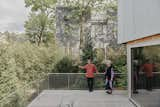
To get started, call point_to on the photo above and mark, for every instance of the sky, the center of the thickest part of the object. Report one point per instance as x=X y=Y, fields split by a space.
x=13 y=14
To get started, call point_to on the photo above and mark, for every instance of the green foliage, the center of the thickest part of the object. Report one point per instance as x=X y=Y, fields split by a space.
x=118 y=58
x=40 y=25
x=40 y=5
x=120 y=66
x=82 y=13
x=66 y=65
x=150 y=53
x=87 y=51
x=101 y=67
x=99 y=55
x=99 y=60
x=22 y=63
x=38 y=28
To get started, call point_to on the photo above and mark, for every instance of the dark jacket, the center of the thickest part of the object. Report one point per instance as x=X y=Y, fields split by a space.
x=109 y=73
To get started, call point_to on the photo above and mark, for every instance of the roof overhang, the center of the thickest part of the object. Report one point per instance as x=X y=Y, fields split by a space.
x=145 y=39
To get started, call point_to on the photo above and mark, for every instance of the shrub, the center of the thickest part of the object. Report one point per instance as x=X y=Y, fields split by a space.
x=118 y=58
x=22 y=63
x=66 y=65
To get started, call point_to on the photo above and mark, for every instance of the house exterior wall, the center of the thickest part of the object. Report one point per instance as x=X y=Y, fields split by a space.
x=138 y=19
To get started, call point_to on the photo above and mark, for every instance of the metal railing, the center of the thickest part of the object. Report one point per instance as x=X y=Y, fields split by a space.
x=141 y=82
x=24 y=95
x=77 y=81
x=57 y=81
x=68 y=81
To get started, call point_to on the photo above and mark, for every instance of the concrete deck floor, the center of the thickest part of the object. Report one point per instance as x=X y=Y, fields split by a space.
x=80 y=98
x=148 y=98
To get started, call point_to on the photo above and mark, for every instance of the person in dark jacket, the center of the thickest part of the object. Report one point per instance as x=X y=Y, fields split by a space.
x=109 y=76
x=136 y=69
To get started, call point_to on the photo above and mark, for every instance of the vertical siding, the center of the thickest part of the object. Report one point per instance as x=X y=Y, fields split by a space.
x=137 y=19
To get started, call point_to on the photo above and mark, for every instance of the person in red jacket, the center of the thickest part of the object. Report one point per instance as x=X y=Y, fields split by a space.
x=90 y=69
x=148 y=69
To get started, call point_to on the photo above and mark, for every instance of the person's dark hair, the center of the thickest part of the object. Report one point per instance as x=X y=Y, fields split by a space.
x=89 y=59
x=147 y=61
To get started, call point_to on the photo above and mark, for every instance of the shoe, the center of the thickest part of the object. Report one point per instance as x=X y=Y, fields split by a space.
x=90 y=90
x=109 y=92
x=135 y=92
x=149 y=89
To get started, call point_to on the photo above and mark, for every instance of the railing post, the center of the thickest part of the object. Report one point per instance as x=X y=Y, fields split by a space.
x=24 y=90
x=48 y=81
x=38 y=87
x=68 y=82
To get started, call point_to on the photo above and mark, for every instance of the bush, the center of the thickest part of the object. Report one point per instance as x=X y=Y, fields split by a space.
x=120 y=66
x=118 y=58
x=66 y=65
x=22 y=63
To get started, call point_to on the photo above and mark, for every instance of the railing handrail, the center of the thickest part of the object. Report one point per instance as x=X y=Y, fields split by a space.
x=83 y=73
x=102 y=73
x=153 y=72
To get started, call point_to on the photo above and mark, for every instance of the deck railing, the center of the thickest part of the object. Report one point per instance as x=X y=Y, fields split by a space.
x=67 y=81
x=141 y=82
x=22 y=96
x=77 y=81
x=57 y=81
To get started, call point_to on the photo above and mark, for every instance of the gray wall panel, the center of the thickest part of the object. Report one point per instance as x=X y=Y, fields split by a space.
x=137 y=19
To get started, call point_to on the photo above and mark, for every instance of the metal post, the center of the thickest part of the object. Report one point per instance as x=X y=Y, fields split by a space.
x=48 y=81
x=23 y=103
x=68 y=82
x=54 y=79
x=38 y=86
x=105 y=51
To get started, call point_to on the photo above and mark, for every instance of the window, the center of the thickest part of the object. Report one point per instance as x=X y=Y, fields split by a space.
x=145 y=79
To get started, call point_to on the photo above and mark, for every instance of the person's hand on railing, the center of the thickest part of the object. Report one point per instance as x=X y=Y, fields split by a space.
x=97 y=72
x=81 y=67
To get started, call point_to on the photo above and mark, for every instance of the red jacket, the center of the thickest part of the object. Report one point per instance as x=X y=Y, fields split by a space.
x=90 y=70
x=148 y=69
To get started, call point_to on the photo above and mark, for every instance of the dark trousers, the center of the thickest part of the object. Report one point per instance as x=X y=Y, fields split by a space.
x=135 y=83
x=109 y=85
x=90 y=82
x=149 y=83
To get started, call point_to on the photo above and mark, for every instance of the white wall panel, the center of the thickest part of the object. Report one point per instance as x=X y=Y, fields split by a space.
x=137 y=19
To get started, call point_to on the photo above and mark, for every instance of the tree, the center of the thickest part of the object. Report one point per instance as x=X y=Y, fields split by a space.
x=66 y=28
x=46 y=6
x=107 y=26
x=87 y=50
x=112 y=22
x=37 y=28
x=66 y=65
x=82 y=13
x=70 y=38
x=40 y=26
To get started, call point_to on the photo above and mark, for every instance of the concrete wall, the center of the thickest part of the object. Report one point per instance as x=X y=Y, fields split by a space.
x=138 y=19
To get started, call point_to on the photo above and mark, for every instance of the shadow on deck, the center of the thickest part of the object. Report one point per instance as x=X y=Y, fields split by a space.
x=81 y=98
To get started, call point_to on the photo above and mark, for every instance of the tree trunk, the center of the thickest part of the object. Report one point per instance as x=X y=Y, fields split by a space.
x=70 y=51
x=39 y=40
x=81 y=35
x=65 y=50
